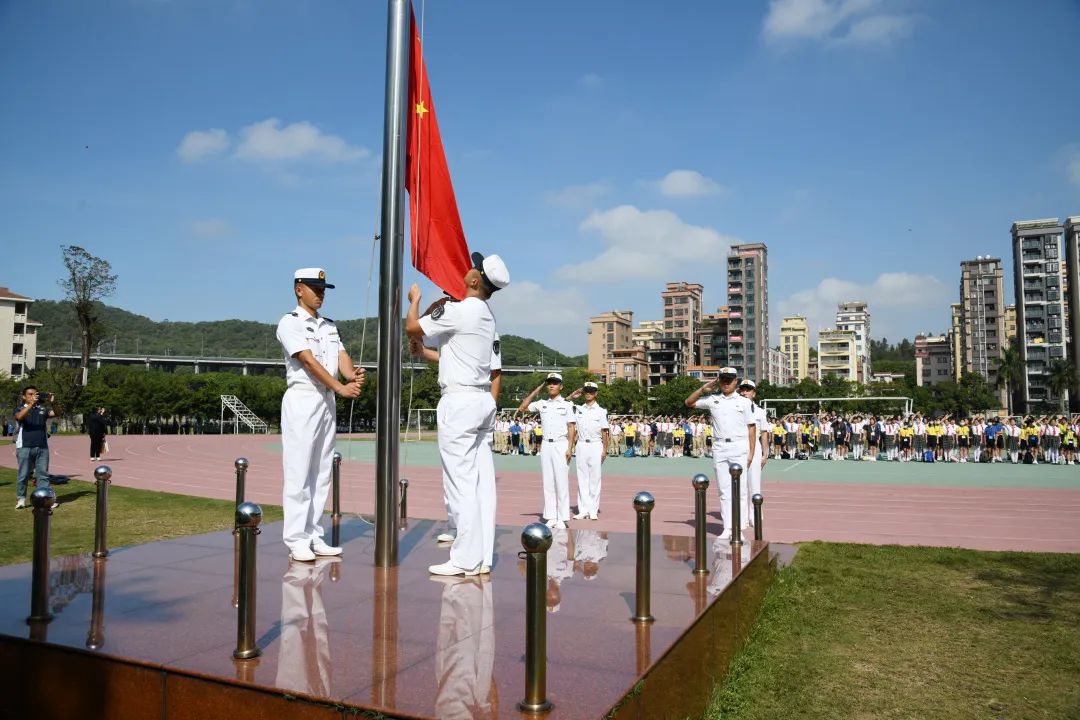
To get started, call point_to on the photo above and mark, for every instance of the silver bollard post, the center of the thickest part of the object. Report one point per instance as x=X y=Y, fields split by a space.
x=42 y=500
x=336 y=486
x=643 y=504
x=404 y=498
x=241 y=465
x=102 y=477
x=536 y=539
x=736 y=506
x=95 y=639
x=757 y=500
x=701 y=559
x=248 y=517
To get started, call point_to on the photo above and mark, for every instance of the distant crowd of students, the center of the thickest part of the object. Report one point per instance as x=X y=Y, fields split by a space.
x=831 y=436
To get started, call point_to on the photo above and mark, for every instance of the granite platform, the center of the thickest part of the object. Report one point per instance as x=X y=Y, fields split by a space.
x=148 y=633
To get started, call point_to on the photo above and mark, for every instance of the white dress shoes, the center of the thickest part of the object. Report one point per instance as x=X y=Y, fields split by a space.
x=445 y=538
x=302 y=555
x=449 y=569
x=323 y=550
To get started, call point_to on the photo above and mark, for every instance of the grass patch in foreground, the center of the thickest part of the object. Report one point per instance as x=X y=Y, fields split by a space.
x=860 y=631
x=135 y=516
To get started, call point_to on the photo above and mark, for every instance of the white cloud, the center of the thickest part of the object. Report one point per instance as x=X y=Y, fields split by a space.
x=200 y=144
x=838 y=22
x=267 y=140
x=211 y=228
x=901 y=304
x=560 y=324
x=1071 y=153
x=688 y=183
x=590 y=81
x=649 y=244
x=579 y=197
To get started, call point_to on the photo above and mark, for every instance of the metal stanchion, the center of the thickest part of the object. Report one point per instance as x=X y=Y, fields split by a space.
x=95 y=639
x=404 y=498
x=241 y=465
x=701 y=558
x=42 y=500
x=248 y=517
x=336 y=485
x=757 y=500
x=643 y=504
x=736 y=506
x=536 y=539
x=102 y=477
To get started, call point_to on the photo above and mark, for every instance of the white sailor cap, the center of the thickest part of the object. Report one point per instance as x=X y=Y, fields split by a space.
x=747 y=383
x=553 y=376
x=492 y=270
x=590 y=385
x=315 y=277
x=728 y=371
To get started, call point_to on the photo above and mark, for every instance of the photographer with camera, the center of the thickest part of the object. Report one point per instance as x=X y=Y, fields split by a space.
x=32 y=440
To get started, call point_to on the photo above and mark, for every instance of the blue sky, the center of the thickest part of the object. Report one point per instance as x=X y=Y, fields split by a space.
x=209 y=148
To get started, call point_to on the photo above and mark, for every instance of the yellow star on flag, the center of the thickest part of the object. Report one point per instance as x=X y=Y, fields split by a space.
x=420 y=109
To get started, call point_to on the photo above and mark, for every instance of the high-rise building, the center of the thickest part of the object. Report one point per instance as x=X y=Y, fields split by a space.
x=982 y=322
x=813 y=369
x=837 y=354
x=608 y=331
x=748 y=308
x=1010 y=325
x=779 y=371
x=647 y=331
x=855 y=317
x=1072 y=257
x=1039 y=269
x=682 y=314
x=628 y=363
x=667 y=358
x=18 y=335
x=955 y=334
x=795 y=343
x=933 y=359
x=713 y=338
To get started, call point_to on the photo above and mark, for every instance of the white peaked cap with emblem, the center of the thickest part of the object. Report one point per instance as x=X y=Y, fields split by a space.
x=315 y=277
x=554 y=376
x=493 y=269
x=747 y=383
x=728 y=371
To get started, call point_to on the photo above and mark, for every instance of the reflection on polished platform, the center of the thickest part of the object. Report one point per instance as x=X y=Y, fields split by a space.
x=153 y=637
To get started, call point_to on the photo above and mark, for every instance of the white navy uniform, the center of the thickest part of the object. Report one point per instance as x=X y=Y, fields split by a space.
x=556 y=417
x=591 y=421
x=589 y=546
x=468 y=352
x=753 y=473
x=465 y=650
x=304 y=663
x=730 y=416
x=308 y=411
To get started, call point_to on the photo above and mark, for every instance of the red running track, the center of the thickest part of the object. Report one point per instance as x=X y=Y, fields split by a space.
x=1042 y=520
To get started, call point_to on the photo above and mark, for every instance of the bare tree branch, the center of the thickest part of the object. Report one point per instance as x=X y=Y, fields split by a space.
x=89 y=280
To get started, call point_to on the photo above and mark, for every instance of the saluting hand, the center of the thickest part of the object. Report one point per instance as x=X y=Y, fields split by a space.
x=575 y=395
x=710 y=384
x=414 y=293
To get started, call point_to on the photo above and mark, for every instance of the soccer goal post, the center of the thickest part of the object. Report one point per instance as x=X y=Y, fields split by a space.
x=419 y=422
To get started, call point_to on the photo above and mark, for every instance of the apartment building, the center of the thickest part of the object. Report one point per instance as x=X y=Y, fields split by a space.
x=668 y=357
x=681 y=303
x=1072 y=258
x=982 y=305
x=855 y=317
x=607 y=332
x=795 y=343
x=1010 y=325
x=933 y=359
x=713 y=338
x=838 y=354
x=647 y=331
x=748 y=309
x=18 y=335
x=628 y=363
x=1039 y=266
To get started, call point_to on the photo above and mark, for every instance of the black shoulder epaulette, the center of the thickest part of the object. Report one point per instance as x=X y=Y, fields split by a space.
x=328 y=320
x=294 y=314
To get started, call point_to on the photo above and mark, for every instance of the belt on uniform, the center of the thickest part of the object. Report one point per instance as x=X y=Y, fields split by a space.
x=300 y=385
x=465 y=388
x=554 y=439
x=583 y=440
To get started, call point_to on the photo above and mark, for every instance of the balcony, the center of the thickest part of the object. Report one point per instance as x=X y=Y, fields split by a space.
x=734 y=289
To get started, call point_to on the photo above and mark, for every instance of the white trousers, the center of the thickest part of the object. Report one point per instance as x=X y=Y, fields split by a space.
x=304 y=657
x=465 y=650
x=466 y=423
x=556 y=480
x=307 y=447
x=723 y=459
x=752 y=479
x=589 y=456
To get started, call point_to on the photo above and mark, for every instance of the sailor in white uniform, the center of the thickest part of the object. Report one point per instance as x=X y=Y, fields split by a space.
x=314 y=356
x=558 y=419
x=590 y=549
x=752 y=486
x=468 y=352
x=593 y=436
x=734 y=435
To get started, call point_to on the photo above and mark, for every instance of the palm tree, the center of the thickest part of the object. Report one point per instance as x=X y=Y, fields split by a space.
x=1009 y=370
x=1062 y=378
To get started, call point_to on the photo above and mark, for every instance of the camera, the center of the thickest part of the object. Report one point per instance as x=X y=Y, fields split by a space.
x=43 y=396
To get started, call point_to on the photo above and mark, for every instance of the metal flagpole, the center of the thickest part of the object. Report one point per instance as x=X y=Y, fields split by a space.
x=392 y=249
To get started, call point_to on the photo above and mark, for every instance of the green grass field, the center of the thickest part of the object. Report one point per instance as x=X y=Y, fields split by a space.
x=135 y=516
x=857 y=631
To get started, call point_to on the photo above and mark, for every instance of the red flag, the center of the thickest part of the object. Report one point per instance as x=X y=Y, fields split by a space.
x=439 y=249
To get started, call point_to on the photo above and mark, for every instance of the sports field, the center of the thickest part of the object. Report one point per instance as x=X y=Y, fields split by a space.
x=983 y=507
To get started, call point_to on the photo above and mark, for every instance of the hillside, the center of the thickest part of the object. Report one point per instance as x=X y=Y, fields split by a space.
x=133 y=333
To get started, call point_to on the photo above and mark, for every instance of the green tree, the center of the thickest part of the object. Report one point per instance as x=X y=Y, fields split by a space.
x=89 y=280
x=670 y=398
x=1062 y=378
x=1009 y=369
x=622 y=397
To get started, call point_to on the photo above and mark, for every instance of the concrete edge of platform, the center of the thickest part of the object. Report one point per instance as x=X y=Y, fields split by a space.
x=680 y=682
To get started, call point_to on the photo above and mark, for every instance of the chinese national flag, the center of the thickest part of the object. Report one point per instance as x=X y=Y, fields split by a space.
x=439 y=249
